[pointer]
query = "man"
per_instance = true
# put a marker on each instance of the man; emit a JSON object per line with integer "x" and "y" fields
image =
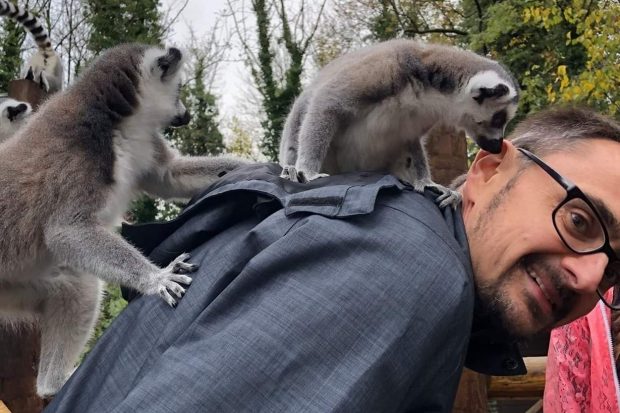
{"x": 354, "y": 293}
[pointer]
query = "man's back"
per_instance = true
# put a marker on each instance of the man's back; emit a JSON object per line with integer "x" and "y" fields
{"x": 356, "y": 296}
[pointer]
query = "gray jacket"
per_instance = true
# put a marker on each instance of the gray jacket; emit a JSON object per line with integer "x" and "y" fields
{"x": 348, "y": 294}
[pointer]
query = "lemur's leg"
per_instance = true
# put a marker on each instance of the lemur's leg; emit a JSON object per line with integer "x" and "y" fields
{"x": 69, "y": 312}
{"x": 318, "y": 129}
{"x": 421, "y": 171}
{"x": 290, "y": 133}
{"x": 93, "y": 249}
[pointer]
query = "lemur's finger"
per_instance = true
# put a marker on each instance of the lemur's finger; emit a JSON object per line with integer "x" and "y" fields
{"x": 176, "y": 289}
{"x": 184, "y": 267}
{"x": 163, "y": 292}
{"x": 180, "y": 278}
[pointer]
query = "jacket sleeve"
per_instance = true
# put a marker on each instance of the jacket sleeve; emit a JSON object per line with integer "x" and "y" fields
{"x": 297, "y": 313}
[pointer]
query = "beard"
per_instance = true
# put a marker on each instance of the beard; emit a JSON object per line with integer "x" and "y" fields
{"x": 523, "y": 318}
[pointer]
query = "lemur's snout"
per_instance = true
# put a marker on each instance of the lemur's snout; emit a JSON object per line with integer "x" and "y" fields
{"x": 15, "y": 111}
{"x": 490, "y": 145}
{"x": 181, "y": 120}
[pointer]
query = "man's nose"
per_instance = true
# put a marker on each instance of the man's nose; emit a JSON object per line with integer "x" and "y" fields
{"x": 585, "y": 271}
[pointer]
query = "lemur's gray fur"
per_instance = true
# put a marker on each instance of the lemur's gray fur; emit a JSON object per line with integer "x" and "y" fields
{"x": 369, "y": 110}
{"x": 44, "y": 67}
{"x": 66, "y": 178}
{"x": 13, "y": 114}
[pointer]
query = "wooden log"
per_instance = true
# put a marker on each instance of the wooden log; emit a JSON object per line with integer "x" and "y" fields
{"x": 529, "y": 386}
{"x": 471, "y": 396}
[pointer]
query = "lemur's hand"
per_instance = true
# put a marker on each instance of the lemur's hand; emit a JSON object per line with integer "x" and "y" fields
{"x": 168, "y": 279}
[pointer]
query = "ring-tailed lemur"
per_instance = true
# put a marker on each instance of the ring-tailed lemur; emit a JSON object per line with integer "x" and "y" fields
{"x": 44, "y": 67}
{"x": 13, "y": 115}
{"x": 370, "y": 110}
{"x": 65, "y": 180}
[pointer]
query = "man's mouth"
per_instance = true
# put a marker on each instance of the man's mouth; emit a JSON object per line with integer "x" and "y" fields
{"x": 546, "y": 287}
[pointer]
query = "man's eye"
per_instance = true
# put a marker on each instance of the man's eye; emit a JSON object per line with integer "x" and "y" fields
{"x": 581, "y": 224}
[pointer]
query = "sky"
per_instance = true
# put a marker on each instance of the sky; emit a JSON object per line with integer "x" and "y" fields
{"x": 201, "y": 16}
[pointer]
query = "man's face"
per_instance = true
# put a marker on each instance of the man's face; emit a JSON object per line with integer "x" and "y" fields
{"x": 524, "y": 273}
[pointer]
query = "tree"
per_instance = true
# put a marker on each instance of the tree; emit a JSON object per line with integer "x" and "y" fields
{"x": 202, "y": 136}
{"x": 277, "y": 59}
{"x": 13, "y": 36}
{"x": 241, "y": 142}
{"x": 133, "y": 21}
{"x": 595, "y": 81}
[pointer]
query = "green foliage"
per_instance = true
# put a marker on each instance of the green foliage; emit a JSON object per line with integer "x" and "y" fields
{"x": 118, "y": 21}
{"x": 241, "y": 143}
{"x": 278, "y": 93}
{"x": 112, "y": 304}
{"x": 11, "y": 40}
{"x": 384, "y": 25}
{"x": 202, "y": 136}
{"x": 596, "y": 81}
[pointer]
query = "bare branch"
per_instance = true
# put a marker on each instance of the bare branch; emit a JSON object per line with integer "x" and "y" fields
{"x": 314, "y": 29}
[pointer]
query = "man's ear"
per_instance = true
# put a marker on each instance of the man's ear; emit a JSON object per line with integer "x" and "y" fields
{"x": 484, "y": 168}
{"x": 487, "y": 164}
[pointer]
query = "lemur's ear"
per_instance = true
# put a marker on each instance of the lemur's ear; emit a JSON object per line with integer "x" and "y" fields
{"x": 170, "y": 63}
{"x": 482, "y": 93}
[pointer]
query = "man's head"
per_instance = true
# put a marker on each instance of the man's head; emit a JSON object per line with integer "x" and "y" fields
{"x": 524, "y": 271}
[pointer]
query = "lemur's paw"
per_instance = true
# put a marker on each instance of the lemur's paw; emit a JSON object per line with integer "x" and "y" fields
{"x": 170, "y": 278}
{"x": 290, "y": 173}
{"x": 308, "y": 176}
{"x": 296, "y": 175}
{"x": 447, "y": 196}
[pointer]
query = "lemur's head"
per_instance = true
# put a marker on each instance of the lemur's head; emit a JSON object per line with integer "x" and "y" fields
{"x": 13, "y": 115}
{"x": 489, "y": 103}
{"x": 160, "y": 86}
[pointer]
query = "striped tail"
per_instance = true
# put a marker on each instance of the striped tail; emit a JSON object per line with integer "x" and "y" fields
{"x": 29, "y": 21}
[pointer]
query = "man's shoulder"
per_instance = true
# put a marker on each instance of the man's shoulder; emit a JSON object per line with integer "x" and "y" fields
{"x": 374, "y": 205}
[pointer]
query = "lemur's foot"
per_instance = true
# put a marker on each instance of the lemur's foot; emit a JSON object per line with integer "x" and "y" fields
{"x": 169, "y": 279}
{"x": 447, "y": 196}
{"x": 50, "y": 382}
{"x": 291, "y": 173}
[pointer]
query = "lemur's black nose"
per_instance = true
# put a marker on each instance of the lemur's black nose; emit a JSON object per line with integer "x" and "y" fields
{"x": 490, "y": 145}
{"x": 181, "y": 120}
{"x": 14, "y": 111}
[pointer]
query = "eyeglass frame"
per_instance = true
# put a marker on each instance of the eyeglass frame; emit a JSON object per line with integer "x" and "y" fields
{"x": 573, "y": 192}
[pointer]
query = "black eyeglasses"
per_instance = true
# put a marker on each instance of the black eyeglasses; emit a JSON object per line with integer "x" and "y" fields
{"x": 580, "y": 227}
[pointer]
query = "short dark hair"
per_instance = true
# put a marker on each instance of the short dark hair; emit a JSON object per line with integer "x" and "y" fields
{"x": 559, "y": 128}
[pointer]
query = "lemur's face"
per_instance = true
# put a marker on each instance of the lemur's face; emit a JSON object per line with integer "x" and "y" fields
{"x": 13, "y": 115}
{"x": 490, "y": 104}
{"x": 160, "y": 86}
